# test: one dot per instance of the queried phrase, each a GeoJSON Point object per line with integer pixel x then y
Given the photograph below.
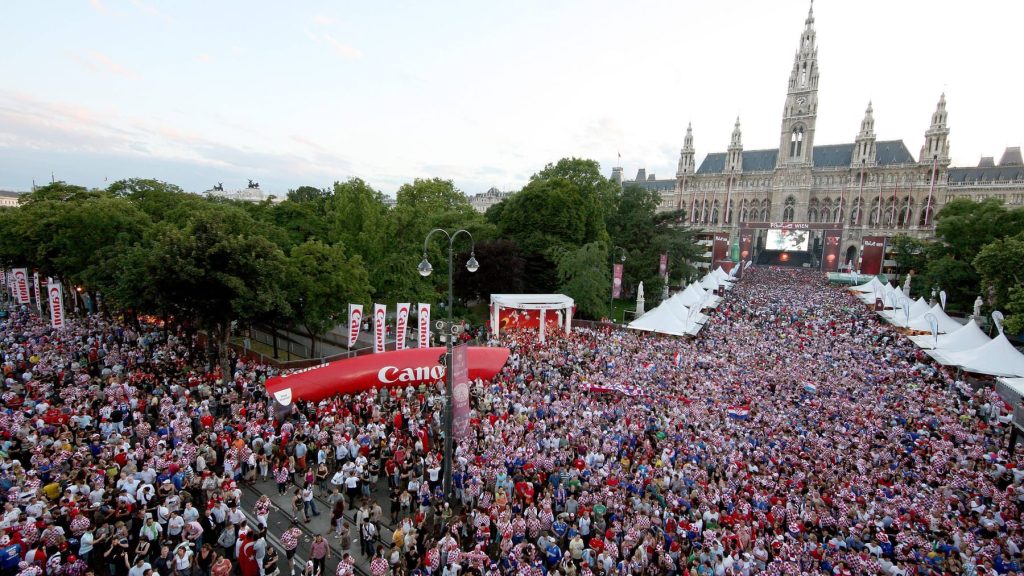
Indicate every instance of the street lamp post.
{"type": "Point", "coordinates": [611, 299]}
{"type": "Point", "coordinates": [425, 269]}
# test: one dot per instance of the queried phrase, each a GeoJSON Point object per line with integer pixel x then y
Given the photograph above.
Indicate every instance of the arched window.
{"type": "Point", "coordinates": [789, 209]}
{"type": "Point", "coordinates": [812, 210]}
{"type": "Point", "coordinates": [796, 142]}
{"type": "Point", "coordinates": [764, 215]}
{"type": "Point", "coordinates": [926, 216]}
{"type": "Point", "coordinates": [857, 212]}
{"type": "Point", "coordinates": [906, 212]}
{"type": "Point", "coordinates": [890, 212]}
{"type": "Point", "coordinates": [714, 212]}
{"type": "Point", "coordinates": [875, 215]}
{"type": "Point", "coordinates": [728, 212]}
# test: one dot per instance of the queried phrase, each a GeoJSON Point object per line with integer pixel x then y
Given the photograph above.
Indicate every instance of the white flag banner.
{"type": "Point", "coordinates": [21, 285]}
{"type": "Point", "coordinates": [35, 288]}
{"type": "Point", "coordinates": [933, 325]}
{"type": "Point", "coordinates": [355, 322]}
{"type": "Point", "coordinates": [56, 298]}
{"type": "Point", "coordinates": [423, 315]}
{"type": "Point", "coordinates": [997, 319]}
{"type": "Point", "coordinates": [942, 298]}
{"type": "Point", "coordinates": [401, 324]}
{"type": "Point", "coordinates": [379, 322]}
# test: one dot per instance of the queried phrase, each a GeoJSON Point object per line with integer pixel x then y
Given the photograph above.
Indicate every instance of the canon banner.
{"type": "Point", "coordinates": [21, 285]}
{"type": "Point", "coordinates": [380, 316]}
{"type": "Point", "coordinates": [403, 368]}
{"type": "Point", "coordinates": [830, 257]}
{"type": "Point", "coordinates": [460, 392]}
{"type": "Point", "coordinates": [355, 323]}
{"type": "Point", "coordinates": [617, 281]}
{"type": "Point", "coordinates": [35, 288]}
{"type": "Point", "coordinates": [423, 316]}
{"type": "Point", "coordinates": [401, 323]}
{"type": "Point", "coordinates": [871, 255]}
{"type": "Point", "coordinates": [56, 299]}
{"type": "Point", "coordinates": [663, 265]}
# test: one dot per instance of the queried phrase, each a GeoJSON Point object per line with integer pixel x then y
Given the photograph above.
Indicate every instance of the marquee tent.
{"type": "Point", "coordinates": [946, 324]}
{"type": "Point", "coordinates": [561, 305]}
{"type": "Point", "coordinates": [1011, 389]}
{"type": "Point", "coordinates": [997, 358]}
{"type": "Point", "coordinates": [695, 295]}
{"type": "Point", "coordinates": [723, 275]}
{"type": "Point", "coordinates": [899, 317]}
{"type": "Point", "coordinates": [869, 286]}
{"type": "Point", "coordinates": [670, 317]}
{"type": "Point", "coordinates": [967, 337]}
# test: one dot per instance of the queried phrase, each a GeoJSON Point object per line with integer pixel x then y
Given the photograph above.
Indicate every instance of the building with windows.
{"type": "Point", "coordinates": [865, 189]}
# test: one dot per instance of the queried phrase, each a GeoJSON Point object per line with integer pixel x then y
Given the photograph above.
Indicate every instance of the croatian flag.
{"type": "Point", "coordinates": [650, 367]}
{"type": "Point", "coordinates": [678, 359]}
{"type": "Point", "coordinates": [810, 388]}
{"type": "Point", "coordinates": [739, 412]}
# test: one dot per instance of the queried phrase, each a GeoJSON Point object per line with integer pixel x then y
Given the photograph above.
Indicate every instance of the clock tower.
{"type": "Point", "coordinates": [801, 111]}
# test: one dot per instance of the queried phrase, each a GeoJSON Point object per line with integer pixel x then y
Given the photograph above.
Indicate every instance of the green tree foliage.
{"type": "Point", "coordinates": [583, 274]}
{"type": "Point", "coordinates": [999, 264]}
{"type": "Point", "coordinates": [322, 281]}
{"type": "Point", "coordinates": [501, 271]}
{"type": "Point", "coordinates": [911, 256]}
{"type": "Point", "coordinates": [957, 277]}
{"type": "Point", "coordinates": [1014, 310]}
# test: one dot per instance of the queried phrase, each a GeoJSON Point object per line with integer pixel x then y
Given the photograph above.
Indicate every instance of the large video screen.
{"type": "Point", "coordinates": [788, 240]}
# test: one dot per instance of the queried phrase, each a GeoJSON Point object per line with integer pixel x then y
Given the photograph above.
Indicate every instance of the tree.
{"type": "Point", "coordinates": [583, 274]}
{"type": "Point", "coordinates": [1014, 310]}
{"type": "Point", "coordinates": [957, 277]}
{"type": "Point", "coordinates": [965, 226]}
{"type": "Point", "coordinates": [58, 191]}
{"type": "Point", "coordinates": [999, 264]}
{"type": "Point", "coordinates": [501, 271]}
{"type": "Point", "coordinates": [911, 256]}
{"type": "Point", "coordinates": [322, 281]}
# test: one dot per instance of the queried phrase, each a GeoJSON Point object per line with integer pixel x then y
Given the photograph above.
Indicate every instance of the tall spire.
{"type": "Point", "coordinates": [867, 125]}
{"type": "Point", "coordinates": [936, 139]}
{"type": "Point", "coordinates": [686, 155]}
{"type": "Point", "coordinates": [735, 153]}
{"type": "Point", "coordinates": [864, 146]}
{"type": "Point", "coordinates": [800, 113]}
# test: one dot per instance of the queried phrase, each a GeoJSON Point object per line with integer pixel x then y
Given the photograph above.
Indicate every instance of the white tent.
{"type": "Point", "coordinates": [966, 337]}
{"type": "Point", "coordinates": [723, 275]}
{"type": "Point", "coordinates": [1011, 389]}
{"type": "Point", "coordinates": [869, 286]}
{"type": "Point", "coordinates": [899, 317]}
{"type": "Point", "coordinates": [997, 358]}
{"type": "Point", "coordinates": [559, 303]}
{"type": "Point", "coordinates": [946, 324]}
{"type": "Point", "coordinates": [667, 318]}
{"type": "Point", "coordinates": [697, 295]}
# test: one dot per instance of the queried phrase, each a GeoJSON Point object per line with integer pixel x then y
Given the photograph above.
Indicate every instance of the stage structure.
{"type": "Point", "coordinates": [531, 311]}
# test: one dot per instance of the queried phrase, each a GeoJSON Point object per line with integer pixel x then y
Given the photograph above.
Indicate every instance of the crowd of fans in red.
{"type": "Point", "coordinates": [796, 435]}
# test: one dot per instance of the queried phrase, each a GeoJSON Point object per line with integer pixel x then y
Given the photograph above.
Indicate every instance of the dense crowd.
{"type": "Point", "coordinates": [795, 435]}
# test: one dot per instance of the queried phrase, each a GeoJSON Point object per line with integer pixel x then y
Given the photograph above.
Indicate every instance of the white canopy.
{"type": "Point", "coordinates": [997, 358]}
{"type": "Point", "coordinates": [917, 309]}
{"type": "Point", "coordinates": [1011, 389]}
{"type": "Point", "coordinates": [712, 282]}
{"type": "Point", "coordinates": [966, 337]}
{"type": "Point", "coordinates": [560, 303]}
{"type": "Point", "coordinates": [868, 287]}
{"type": "Point", "coordinates": [946, 324]}
{"type": "Point", "coordinates": [668, 318]}
{"type": "Point", "coordinates": [722, 274]}
{"type": "Point", "coordinates": [697, 295]}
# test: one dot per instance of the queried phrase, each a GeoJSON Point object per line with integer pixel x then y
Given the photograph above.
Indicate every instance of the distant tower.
{"type": "Point", "coordinates": [686, 155]}
{"type": "Point", "coordinates": [734, 159]}
{"type": "Point", "coordinates": [686, 167]}
{"type": "Point", "coordinates": [864, 149]}
{"type": "Point", "coordinates": [801, 111]}
{"type": "Point", "coordinates": [936, 139]}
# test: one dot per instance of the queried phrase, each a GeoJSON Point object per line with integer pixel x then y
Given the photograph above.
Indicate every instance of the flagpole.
{"type": "Point", "coordinates": [931, 188]}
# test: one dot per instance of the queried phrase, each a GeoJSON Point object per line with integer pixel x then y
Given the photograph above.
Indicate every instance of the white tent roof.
{"type": "Point", "coordinates": [946, 324]}
{"type": "Point", "coordinates": [997, 358]}
{"type": "Point", "coordinates": [899, 317]}
{"type": "Point", "coordinates": [705, 298]}
{"type": "Point", "coordinates": [966, 337]}
{"type": "Point", "coordinates": [869, 286]}
{"type": "Point", "coordinates": [722, 274]}
{"type": "Point", "coordinates": [665, 319]}
{"type": "Point", "coordinates": [533, 301]}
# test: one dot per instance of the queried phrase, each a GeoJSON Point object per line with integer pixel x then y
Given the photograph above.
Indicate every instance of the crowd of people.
{"type": "Point", "coordinates": [795, 435]}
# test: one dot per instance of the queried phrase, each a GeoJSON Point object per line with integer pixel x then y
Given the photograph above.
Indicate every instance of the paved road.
{"type": "Point", "coordinates": [281, 520]}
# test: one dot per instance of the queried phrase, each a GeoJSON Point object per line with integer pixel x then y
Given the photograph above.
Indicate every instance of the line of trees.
{"type": "Point", "coordinates": [978, 250]}
{"type": "Point", "coordinates": [146, 247]}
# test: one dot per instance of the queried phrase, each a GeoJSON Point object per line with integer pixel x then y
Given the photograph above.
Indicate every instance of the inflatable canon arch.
{"type": "Point", "coordinates": [373, 371]}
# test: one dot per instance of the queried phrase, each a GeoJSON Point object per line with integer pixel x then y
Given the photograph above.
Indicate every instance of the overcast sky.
{"type": "Point", "coordinates": [484, 93]}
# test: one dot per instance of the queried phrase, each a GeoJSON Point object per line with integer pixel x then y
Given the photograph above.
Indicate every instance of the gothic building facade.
{"type": "Point", "coordinates": [869, 188]}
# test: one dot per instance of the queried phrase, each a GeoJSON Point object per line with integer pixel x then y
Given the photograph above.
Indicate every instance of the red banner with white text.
{"type": "Point", "coordinates": [830, 255]}
{"type": "Point", "coordinates": [872, 252]}
{"type": "Point", "coordinates": [423, 316]}
{"type": "Point", "coordinates": [401, 324]}
{"type": "Point", "coordinates": [355, 323]}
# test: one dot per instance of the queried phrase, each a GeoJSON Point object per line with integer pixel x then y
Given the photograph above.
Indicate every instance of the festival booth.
{"type": "Point", "coordinates": [997, 358]}
{"type": "Point", "coordinates": [967, 337]}
{"type": "Point", "coordinates": [945, 324]}
{"type": "Point", "coordinates": [410, 367]}
{"type": "Point", "coordinates": [903, 316]}
{"type": "Point", "coordinates": [694, 295]}
{"type": "Point", "coordinates": [869, 287]}
{"type": "Point", "coordinates": [511, 311]}
{"type": "Point", "coordinates": [671, 317]}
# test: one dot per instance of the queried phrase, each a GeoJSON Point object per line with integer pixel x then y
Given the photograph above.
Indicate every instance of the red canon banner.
{"type": "Point", "coordinates": [617, 281]}
{"type": "Point", "coordinates": [410, 367]}
{"type": "Point", "coordinates": [830, 256]}
{"type": "Point", "coordinates": [355, 322]}
{"type": "Point", "coordinates": [720, 251]}
{"type": "Point", "coordinates": [871, 255]}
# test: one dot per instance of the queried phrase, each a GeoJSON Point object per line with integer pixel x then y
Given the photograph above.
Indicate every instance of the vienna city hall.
{"type": "Point", "coordinates": [847, 199]}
